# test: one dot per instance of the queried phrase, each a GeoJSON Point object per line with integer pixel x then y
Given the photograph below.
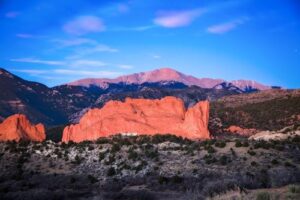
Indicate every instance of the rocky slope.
{"type": "Point", "coordinates": [283, 134]}
{"type": "Point", "coordinates": [142, 117]}
{"type": "Point", "coordinates": [42, 104]}
{"type": "Point", "coordinates": [264, 110]}
{"type": "Point", "coordinates": [17, 127]}
{"type": "Point", "coordinates": [168, 74]}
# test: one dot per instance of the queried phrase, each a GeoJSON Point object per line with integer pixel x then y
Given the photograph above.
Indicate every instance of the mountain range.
{"type": "Point", "coordinates": [66, 103]}
{"type": "Point", "coordinates": [168, 74]}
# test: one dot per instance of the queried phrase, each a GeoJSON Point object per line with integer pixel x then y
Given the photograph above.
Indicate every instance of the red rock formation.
{"type": "Point", "coordinates": [142, 116]}
{"type": "Point", "coordinates": [241, 131]}
{"type": "Point", "coordinates": [17, 127]}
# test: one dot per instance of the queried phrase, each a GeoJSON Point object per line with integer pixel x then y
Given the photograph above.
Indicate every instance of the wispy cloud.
{"type": "Point", "coordinates": [125, 66]}
{"type": "Point", "coordinates": [24, 35]}
{"type": "Point", "coordinates": [83, 25]}
{"type": "Point", "coordinates": [156, 56]}
{"type": "Point", "coordinates": [86, 63]}
{"type": "Point", "coordinates": [137, 28]}
{"type": "Point", "coordinates": [79, 63]}
{"type": "Point", "coordinates": [38, 61]}
{"type": "Point", "coordinates": [89, 73]}
{"type": "Point", "coordinates": [174, 19]}
{"type": "Point", "coordinates": [12, 14]}
{"type": "Point", "coordinates": [85, 51]}
{"type": "Point", "coordinates": [68, 72]}
{"type": "Point", "coordinates": [74, 42]}
{"type": "Point", "coordinates": [226, 27]}
{"type": "Point", "coordinates": [32, 72]}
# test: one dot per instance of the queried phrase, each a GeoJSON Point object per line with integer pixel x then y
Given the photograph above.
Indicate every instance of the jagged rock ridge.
{"type": "Point", "coordinates": [17, 127]}
{"type": "Point", "coordinates": [141, 116]}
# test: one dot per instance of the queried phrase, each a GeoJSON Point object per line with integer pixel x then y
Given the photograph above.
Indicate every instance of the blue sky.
{"type": "Point", "coordinates": [57, 41]}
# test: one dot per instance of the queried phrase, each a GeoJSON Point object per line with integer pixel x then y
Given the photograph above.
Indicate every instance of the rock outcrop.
{"type": "Point", "coordinates": [142, 117]}
{"type": "Point", "coordinates": [283, 134]}
{"type": "Point", "coordinates": [17, 127]}
{"type": "Point", "coordinates": [241, 131]}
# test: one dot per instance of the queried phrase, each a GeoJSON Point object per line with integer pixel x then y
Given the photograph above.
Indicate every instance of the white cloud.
{"type": "Point", "coordinates": [174, 19]}
{"type": "Point", "coordinates": [156, 56]}
{"type": "Point", "coordinates": [86, 63]}
{"type": "Point", "coordinates": [137, 28]}
{"type": "Point", "coordinates": [79, 63]}
{"type": "Point", "coordinates": [103, 48]}
{"type": "Point", "coordinates": [33, 72]}
{"type": "Point", "coordinates": [125, 66]}
{"type": "Point", "coordinates": [75, 42]}
{"type": "Point", "coordinates": [81, 52]}
{"type": "Point", "coordinates": [83, 25]}
{"type": "Point", "coordinates": [225, 27]}
{"type": "Point", "coordinates": [38, 61]}
{"type": "Point", "coordinates": [88, 73]}
{"type": "Point", "coordinates": [59, 73]}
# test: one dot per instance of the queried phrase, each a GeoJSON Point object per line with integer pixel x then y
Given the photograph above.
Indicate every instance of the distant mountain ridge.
{"type": "Point", "coordinates": [168, 74]}
{"type": "Point", "coordinates": [67, 103]}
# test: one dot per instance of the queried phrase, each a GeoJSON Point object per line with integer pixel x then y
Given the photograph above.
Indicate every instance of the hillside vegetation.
{"type": "Point", "coordinates": [266, 110]}
{"type": "Point", "coordinates": [161, 167]}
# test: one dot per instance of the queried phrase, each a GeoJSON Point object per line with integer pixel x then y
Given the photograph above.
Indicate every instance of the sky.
{"type": "Point", "coordinates": [55, 42]}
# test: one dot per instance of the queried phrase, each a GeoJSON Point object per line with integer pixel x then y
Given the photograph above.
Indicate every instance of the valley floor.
{"type": "Point", "coordinates": [158, 167]}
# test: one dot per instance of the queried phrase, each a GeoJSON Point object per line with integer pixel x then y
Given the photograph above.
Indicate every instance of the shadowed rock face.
{"type": "Point", "coordinates": [17, 127]}
{"type": "Point", "coordinates": [143, 117]}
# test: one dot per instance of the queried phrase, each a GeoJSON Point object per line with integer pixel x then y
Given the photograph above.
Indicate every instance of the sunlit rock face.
{"type": "Point", "coordinates": [18, 127]}
{"type": "Point", "coordinates": [142, 117]}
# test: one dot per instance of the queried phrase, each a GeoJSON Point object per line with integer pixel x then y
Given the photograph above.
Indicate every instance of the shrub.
{"type": "Point", "coordinates": [111, 171]}
{"type": "Point", "coordinates": [210, 149]}
{"type": "Point", "coordinates": [132, 155]}
{"type": "Point", "coordinates": [163, 180]}
{"type": "Point", "coordinates": [92, 179]}
{"type": "Point", "coordinates": [77, 160]}
{"type": "Point", "coordinates": [72, 179]}
{"type": "Point", "coordinates": [110, 160]}
{"type": "Point", "coordinates": [212, 188]}
{"type": "Point", "coordinates": [224, 160]}
{"type": "Point", "coordinates": [103, 141]}
{"type": "Point", "coordinates": [245, 144]}
{"type": "Point", "coordinates": [90, 148]}
{"type": "Point", "coordinates": [232, 152]}
{"type": "Point", "coordinates": [238, 144]}
{"type": "Point", "coordinates": [274, 162]}
{"type": "Point", "coordinates": [220, 144]}
{"type": "Point", "coordinates": [176, 179]}
{"type": "Point", "coordinates": [251, 153]}
{"type": "Point", "coordinates": [261, 144]}
{"type": "Point", "coordinates": [140, 166]}
{"type": "Point", "coordinates": [288, 164]}
{"type": "Point", "coordinates": [253, 163]}
{"type": "Point", "coordinates": [294, 189]}
{"type": "Point", "coordinates": [209, 159]}
{"type": "Point", "coordinates": [115, 148]}
{"type": "Point", "coordinates": [151, 154]}
{"type": "Point", "coordinates": [101, 156]}
{"type": "Point", "coordinates": [263, 196]}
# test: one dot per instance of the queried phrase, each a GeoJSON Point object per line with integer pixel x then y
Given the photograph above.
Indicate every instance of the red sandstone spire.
{"type": "Point", "coordinates": [17, 127]}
